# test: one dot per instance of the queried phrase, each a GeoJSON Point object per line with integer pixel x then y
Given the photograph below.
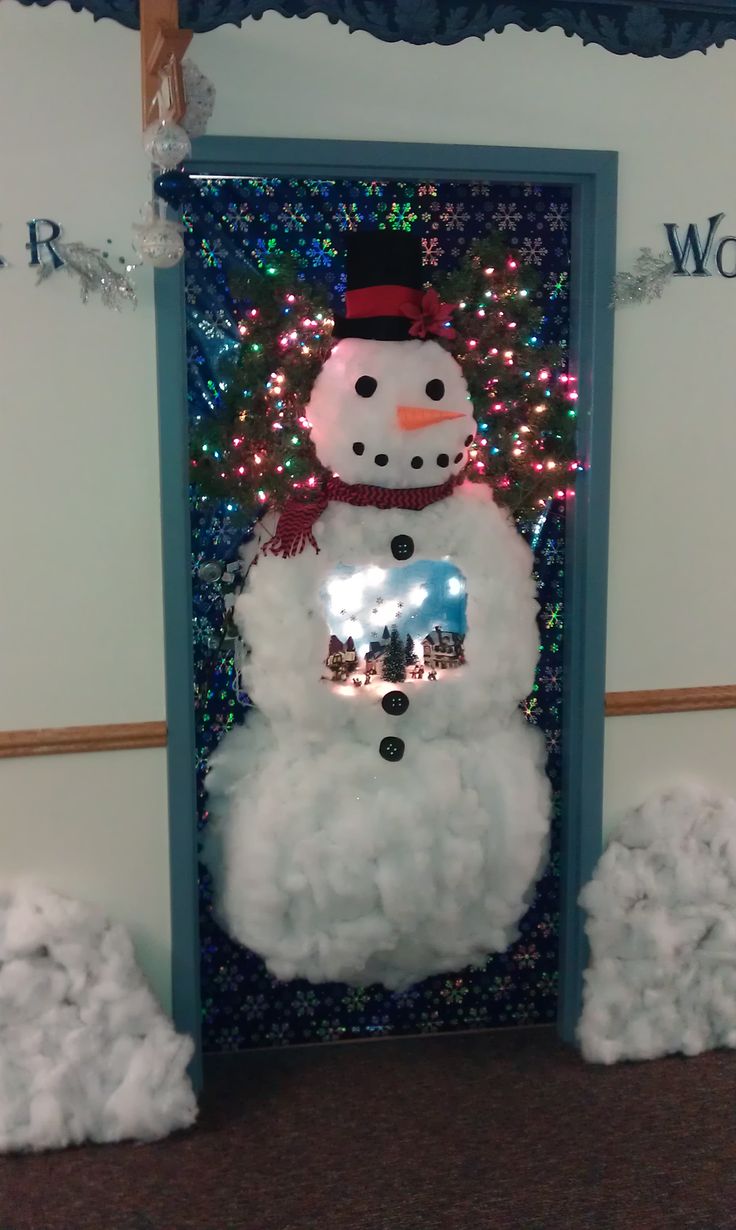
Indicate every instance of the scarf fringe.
{"type": "Point", "coordinates": [288, 545]}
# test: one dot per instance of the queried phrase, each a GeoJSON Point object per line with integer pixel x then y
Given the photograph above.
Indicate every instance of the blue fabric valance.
{"type": "Point", "coordinates": [671, 28]}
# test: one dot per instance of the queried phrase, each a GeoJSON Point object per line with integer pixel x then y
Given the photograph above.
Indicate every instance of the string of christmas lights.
{"type": "Point", "coordinates": [524, 400]}
{"type": "Point", "coordinates": [255, 451]}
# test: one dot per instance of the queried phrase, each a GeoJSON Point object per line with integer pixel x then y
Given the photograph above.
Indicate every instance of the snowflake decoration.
{"type": "Point", "coordinates": [401, 217]}
{"type": "Point", "coordinates": [532, 251]}
{"type": "Point", "coordinates": [192, 291]}
{"type": "Point", "coordinates": [237, 218]}
{"type": "Point", "coordinates": [348, 217]}
{"type": "Point", "coordinates": [557, 216]}
{"type": "Point", "coordinates": [432, 251]}
{"type": "Point", "coordinates": [507, 217]}
{"type": "Point", "coordinates": [455, 217]}
{"type": "Point", "coordinates": [321, 253]}
{"type": "Point", "coordinates": [526, 956]}
{"type": "Point", "coordinates": [292, 219]}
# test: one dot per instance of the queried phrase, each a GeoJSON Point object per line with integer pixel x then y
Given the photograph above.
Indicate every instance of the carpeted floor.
{"type": "Point", "coordinates": [502, 1131]}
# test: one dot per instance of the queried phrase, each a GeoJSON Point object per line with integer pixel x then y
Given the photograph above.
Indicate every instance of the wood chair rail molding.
{"type": "Point", "coordinates": [130, 736]}
{"type": "Point", "coordinates": [67, 740]}
{"type": "Point", "coordinates": [670, 700]}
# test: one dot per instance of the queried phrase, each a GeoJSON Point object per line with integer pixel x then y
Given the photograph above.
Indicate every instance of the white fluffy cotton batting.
{"type": "Point", "coordinates": [662, 928]}
{"type": "Point", "coordinates": [85, 1051]}
{"type": "Point", "coordinates": [360, 872]}
{"type": "Point", "coordinates": [332, 863]}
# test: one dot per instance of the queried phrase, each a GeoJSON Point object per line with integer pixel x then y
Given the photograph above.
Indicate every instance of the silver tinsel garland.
{"type": "Point", "coordinates": [96, 275]}
{"type": "Point", "coordinates": [646, 281]}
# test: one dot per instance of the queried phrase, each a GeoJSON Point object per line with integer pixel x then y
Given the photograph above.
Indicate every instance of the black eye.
{"type": "Point", "coordinates": [365, 386]}
{"type": "Point", "coordinates": [358, 448]}
{"type": "Point", "coordinates": [435, 390]}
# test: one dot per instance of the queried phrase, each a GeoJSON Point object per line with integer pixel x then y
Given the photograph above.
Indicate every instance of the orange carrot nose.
{"type": "Point", "coordinates": [412, 418]}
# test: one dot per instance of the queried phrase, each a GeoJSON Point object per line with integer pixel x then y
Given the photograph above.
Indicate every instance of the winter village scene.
{"type": "Point", "coordinates": [422, 610]}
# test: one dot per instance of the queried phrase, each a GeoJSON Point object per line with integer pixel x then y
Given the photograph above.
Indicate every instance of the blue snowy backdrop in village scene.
{"type": "Point", "coordinates": [228, 221]}
{"type": "Point", "coordinates": [424, 601]}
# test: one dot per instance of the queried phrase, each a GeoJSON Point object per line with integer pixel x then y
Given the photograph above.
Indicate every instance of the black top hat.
{"type": "Point", "coordinates": [384, 274]}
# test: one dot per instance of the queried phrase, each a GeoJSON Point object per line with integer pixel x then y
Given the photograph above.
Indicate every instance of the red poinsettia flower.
{"type": "Point", "coordinates": [432, 316]}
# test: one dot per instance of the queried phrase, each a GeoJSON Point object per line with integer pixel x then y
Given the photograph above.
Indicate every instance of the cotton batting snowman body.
{"type": "Point", "coordinates": [384, 829]}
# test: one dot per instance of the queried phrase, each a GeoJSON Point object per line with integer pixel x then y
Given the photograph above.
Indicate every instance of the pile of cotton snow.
{"type": "Point", "coordinates": [85, 1051]}
{"type": "Point", "coordinates": [662, 928]}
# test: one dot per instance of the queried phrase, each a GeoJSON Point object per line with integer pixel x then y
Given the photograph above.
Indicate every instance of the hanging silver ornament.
{"type": "Point", "coordinates": [95, 274]}
{"type": "Point", "coordinates": [166, 144]}
{"type": "Point", "coordinates": [646, 281]}
{"type": "Point", "coordinates": [158, 239]}
{"type": "Point", "coordinates": [200, 95]}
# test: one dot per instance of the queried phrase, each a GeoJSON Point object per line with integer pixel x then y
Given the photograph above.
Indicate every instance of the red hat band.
{"type": "Point", "coordinates": [380, 301]}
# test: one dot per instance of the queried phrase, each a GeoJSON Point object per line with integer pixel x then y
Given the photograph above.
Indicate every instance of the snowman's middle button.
{"type": "Point", "coordinates": [395, 703]}
{"type": "Point", "coordinates": [402, 546]}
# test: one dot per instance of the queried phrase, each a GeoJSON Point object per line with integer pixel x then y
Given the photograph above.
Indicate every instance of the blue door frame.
{"type": "Point", "coordinates": [592, 176]}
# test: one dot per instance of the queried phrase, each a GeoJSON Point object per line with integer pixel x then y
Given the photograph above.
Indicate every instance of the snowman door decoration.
{"type": "Point", "coordinates": [383, 815]}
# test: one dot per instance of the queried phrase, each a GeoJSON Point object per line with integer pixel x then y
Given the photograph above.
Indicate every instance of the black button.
{"type": "Point", "coordinates": [417, 463]}
{"type": "Point", "coordinates": [391, 748]}
{"type": "Point", "coordinates": [402, 546]}
{"type": "Point", "coordinates": [443, 460]}
{"type": "Point", "coordinates": [395, 703]}
{"type": "Point", "coordinates": [358, 448]}
{"type": "Point", "coordinates": [381, 459]}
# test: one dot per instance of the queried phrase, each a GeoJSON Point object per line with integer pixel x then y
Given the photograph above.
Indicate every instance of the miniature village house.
{"type": "Point", "coordinates": [341, 658]}
{"type": "Point", "coordinates": [442, 649]}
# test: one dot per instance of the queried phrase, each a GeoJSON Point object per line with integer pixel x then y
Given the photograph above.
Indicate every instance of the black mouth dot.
{"type": "Point", "coordinates": [381, 459]}
{"type": "Point", "coordinates": [417, 463]}
{"type": "Point", "coordinates": [358, 448]}
{"type": "Point", "coordinates": [458, 458]}
{"type": "Point", "coordinates": [468, 440]}
{"type": "Point", "coordinates": [443, 460]}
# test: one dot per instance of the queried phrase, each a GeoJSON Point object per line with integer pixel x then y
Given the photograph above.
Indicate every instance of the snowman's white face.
{"type": "Point", "coordinates": [393, 414]}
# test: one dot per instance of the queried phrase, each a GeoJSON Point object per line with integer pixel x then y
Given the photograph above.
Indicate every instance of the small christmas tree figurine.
{"type": "Point", "coordinates": [409, 654]}
{"type": "Point", "coordinates": [394, 660]}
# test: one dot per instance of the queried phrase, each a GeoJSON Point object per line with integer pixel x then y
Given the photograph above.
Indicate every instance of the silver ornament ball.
{"type": "Point", "coordinates": [160, 243]}
{"type": "Point", "coordinates": [166, 144]}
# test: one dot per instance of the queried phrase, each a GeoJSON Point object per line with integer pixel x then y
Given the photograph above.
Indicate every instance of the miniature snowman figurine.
{"type": "Point", "coordinates": [384, 833]}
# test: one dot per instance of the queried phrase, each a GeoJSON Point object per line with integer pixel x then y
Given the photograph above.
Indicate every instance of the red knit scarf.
{"type": "Point", "coordinates": [295, 525]}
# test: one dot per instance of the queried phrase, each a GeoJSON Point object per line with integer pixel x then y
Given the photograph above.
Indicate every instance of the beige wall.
{"type": "Point", "coordinates": [80, 578]}
{"type": "Point", "coordinates": [82, 635]}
